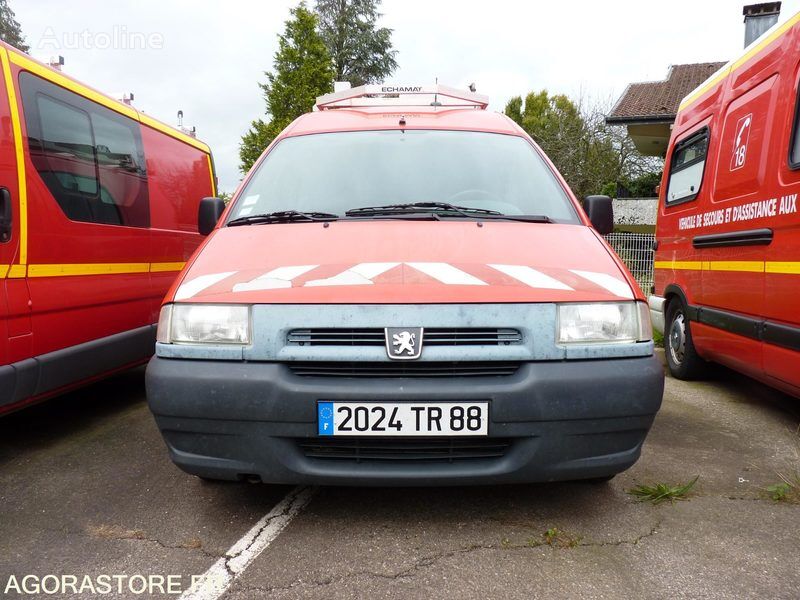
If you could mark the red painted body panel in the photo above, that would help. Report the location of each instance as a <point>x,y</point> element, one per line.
<point>249,252</point>
<point>42,314</point>
<point>756,102</point>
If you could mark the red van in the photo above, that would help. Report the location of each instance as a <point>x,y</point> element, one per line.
<point>727,264</point>
<point>404,291</point>
<point>98,214</point>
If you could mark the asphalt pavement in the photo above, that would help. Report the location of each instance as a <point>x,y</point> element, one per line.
<point>87,489</point>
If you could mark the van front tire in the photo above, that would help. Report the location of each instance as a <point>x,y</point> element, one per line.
<point>682,358</point>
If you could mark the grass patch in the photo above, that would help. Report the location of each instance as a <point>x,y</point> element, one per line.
<point>658,339</point>
<point>558,539</point>
<point>553,537</point>
<point>779,492</point>
<point>788,488</point>
<point>662,492</point>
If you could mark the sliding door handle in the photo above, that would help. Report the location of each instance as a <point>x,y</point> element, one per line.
<point>6,215</point>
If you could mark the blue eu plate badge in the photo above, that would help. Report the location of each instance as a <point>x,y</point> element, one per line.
<point>325,418</point>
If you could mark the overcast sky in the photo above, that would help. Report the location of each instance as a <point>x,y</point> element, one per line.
<point>206,57</point>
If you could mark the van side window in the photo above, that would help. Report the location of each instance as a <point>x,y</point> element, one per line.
<point>90,158</point>
<point>686,168</point>
<point>794,150</point>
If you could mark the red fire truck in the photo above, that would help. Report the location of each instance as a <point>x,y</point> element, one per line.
<point>98,213</point>
<point>727,265</point>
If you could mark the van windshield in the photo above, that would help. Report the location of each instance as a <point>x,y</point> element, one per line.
<point>337,172</point>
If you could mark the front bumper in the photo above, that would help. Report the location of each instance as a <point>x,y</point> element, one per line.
<point>562,419</point>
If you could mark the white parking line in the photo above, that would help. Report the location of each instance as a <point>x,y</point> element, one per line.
<point>216,581</point>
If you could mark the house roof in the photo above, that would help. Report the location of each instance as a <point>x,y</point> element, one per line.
<point>658,101</point>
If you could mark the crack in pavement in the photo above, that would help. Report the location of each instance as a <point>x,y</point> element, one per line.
<point>110,533</point>
<point>432,559</point>
<point>185,546</point>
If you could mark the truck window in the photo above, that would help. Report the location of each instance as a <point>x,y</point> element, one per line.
<point>90,158</point>
<point>794,149</point>
<point>686,168</point>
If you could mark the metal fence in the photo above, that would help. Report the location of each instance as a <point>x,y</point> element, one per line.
<point>636,251</point>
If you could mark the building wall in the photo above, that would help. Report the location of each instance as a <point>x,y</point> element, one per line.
<point>635,214</point>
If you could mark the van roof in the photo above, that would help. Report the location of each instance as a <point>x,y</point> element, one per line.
<point>384,106</point>
<point>388,117</point>
<point>755,48</point>
<point>27,63</point>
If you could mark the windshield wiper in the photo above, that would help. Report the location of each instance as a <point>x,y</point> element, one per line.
<point>283,216</point>
<point>445,209</point>
<point>417,207</point>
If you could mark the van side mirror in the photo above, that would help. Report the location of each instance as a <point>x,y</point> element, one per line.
<point>208,214</point>
<point>600,212</point>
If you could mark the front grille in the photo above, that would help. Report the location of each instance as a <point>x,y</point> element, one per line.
<point>435,336</point>
<point>403,369</point>
<point>422,450</point>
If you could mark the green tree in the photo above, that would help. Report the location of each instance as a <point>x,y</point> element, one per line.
<point>591,155</point>
<point>301,71</point>
<point>10,30</point>
<point>360,52</point>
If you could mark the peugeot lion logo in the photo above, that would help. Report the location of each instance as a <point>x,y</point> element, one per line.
<point>403,343</point>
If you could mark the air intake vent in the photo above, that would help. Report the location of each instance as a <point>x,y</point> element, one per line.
<point>435,336</point>
<point>403,369</point>
<point>407,450</point>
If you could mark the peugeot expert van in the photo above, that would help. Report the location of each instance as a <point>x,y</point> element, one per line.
<point>727,266</point>
<point>404,291</point>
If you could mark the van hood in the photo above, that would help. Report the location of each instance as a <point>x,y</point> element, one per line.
<point>401,262</point>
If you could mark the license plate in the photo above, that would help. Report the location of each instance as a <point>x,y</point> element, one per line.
<point>403,418</point>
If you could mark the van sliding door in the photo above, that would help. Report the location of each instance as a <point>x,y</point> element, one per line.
<point>89,265</point>
<point>733,255</point>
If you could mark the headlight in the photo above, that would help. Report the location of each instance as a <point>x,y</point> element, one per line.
<point>204,324</point>
<point>604,322</point>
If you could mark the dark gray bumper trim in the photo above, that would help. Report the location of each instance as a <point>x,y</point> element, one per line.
<point>48,372</point>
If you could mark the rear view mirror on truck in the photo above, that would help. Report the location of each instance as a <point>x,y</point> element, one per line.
<point>600,212</point>
<point>208,214</point>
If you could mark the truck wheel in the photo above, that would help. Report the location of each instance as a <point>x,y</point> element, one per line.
<point>682,359</point>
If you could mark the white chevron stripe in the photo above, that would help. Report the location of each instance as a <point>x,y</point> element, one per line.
<point>531,277</point>
<point>198,284</point>
<point>446,273</point>
<point>361,274</point>
<point>618,287</point>
<point>275,279</point>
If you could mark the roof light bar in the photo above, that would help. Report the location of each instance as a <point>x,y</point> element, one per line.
<point>402,95</point>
